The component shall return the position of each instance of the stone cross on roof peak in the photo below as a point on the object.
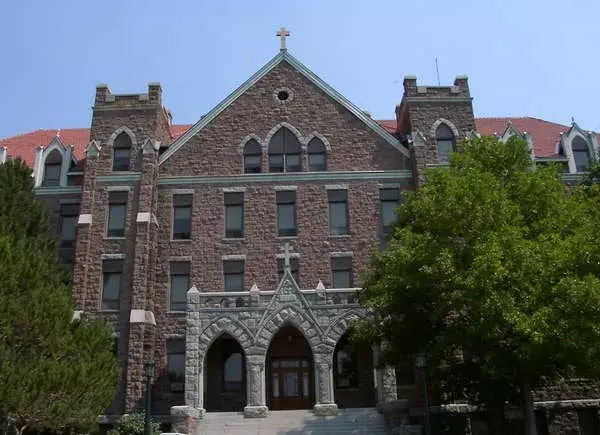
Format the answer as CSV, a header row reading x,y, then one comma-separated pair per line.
x,y
283,33
286,257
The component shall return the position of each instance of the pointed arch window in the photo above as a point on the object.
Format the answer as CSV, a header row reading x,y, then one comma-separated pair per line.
x,y
252,156
445,143
317,157
284,152
121,152
52,167
581,153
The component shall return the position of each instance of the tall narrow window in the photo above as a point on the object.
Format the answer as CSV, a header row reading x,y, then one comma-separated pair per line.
x,y
233,275
234,215
233,373
180,284
252,156
121,152
581,153
446,143
316,155
346,367
284,152
117,209
286,213
341,272
176,363
388,200
112,271
68,224
294,269
182,216
338,212
52,166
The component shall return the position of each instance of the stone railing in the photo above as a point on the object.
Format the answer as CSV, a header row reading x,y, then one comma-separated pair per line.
x,y
260,298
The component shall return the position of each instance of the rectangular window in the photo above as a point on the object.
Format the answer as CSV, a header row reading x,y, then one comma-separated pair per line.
x,y
338,212
233,275
176,363
117,209
51,174
112,271
121,159
234,215
389,200
294,266
286,213
68,224
182,216
180,284
341,272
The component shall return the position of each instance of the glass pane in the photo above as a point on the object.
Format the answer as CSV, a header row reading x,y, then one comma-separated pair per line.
x,y
444,147
582,160
182,222
316,162
286,219
288,364
68,227
305,384
338,224
275,382
252,164
276,163
116,220
51,175
234,282
121,159
110,290
233,221
341,279
292,163
290,384
179,288
388,215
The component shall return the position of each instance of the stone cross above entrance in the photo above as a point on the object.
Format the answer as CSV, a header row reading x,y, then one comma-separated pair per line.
x,y
286,257
283,33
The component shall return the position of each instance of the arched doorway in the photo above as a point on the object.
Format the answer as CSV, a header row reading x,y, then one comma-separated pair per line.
x,y
353,375
225,375
290,373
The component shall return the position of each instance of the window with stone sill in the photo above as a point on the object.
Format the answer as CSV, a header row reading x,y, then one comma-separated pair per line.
x,y
284,152
52,169
338,212
286,213
341,272
180,284
233,275
182,216
389,199
317,157
121,152
68,224
176,363
252,157
112,271
117,209
445,143
234,215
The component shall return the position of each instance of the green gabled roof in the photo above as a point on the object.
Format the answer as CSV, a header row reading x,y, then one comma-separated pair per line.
x,y
306,72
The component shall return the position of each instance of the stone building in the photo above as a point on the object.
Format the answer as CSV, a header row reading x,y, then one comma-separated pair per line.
x,y
231,251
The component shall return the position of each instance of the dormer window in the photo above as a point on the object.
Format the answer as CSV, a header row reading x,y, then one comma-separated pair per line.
x,y
52,169
284,152
121,152
317,159
252,157
581,153
445,143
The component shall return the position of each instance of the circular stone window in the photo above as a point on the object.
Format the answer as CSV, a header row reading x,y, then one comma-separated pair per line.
x,y
283,95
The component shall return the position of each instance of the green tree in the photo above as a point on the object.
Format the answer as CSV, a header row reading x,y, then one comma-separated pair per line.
x,y
55,373
494,273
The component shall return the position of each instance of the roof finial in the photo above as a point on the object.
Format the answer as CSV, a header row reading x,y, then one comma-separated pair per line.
x,y
283,33
58,133
572,120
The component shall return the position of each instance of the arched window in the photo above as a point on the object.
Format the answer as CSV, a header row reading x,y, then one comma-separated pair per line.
x,y
233,373
284,152
581,153
52,166
317,159
121,152
445,142
252,156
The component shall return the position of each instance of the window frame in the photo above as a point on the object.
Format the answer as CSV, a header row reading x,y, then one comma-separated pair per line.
x,y
68,211
337,197
178,269
175,348
283,145
118,198
252,149
111,268
285,199
388,195
233,201
182,201
234,268
316,147
444,135
122,142
579,146
341,264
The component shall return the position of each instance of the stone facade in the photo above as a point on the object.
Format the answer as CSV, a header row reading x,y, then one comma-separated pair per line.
x,y
207,162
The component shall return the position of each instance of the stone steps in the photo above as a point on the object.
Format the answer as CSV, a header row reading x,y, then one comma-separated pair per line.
x,y
363,421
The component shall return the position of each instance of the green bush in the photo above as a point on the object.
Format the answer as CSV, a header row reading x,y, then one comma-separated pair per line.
x,y
133,424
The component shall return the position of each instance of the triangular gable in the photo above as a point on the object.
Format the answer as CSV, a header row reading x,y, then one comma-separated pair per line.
x,y
308,74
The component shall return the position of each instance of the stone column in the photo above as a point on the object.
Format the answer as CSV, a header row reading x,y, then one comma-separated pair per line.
x,y
255,383
324,385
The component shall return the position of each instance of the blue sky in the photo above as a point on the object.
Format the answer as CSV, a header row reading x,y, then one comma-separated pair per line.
x,y
523,57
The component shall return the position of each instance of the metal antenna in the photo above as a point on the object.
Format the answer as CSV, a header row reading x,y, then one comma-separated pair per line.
x,y
437,70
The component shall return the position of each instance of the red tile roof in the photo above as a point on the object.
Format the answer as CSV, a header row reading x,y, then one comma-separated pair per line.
x,y
545,134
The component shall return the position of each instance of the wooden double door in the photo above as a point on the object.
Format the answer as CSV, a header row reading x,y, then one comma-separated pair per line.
x,y
290,383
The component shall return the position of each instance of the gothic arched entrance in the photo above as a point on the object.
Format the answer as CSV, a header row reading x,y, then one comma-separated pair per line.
x,y
290,373
225,371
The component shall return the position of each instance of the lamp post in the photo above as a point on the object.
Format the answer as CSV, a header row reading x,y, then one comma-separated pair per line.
x,y
421,363
149,372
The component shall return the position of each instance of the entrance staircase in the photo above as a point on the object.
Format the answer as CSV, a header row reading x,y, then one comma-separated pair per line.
x,y
364,421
